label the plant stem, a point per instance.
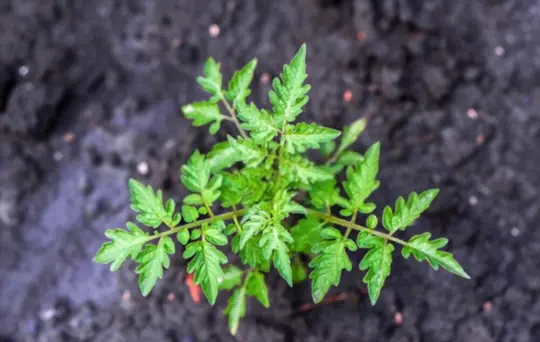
(347, 224)
(235, 219)
(233, 117)
(350, 228)
(225, 216)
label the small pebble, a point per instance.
(514, 231)
(347, 96)
(265, 78)
(24, 70)
(398, 318)
(142, 168)
(169, 144)
(58, 156)
(480, 139)
(126, 296)
(472, 113)
(487, 306)
(499, 51)
(48, 314)
(69, 137)
(473, 200)
(213, 30)
(361, 35)
(171, 297)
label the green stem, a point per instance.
(350, 228)
(233, 117)
(235, 219)
(225, 216)
(347, 224)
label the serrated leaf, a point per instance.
(303, 136)
(149, 205)
(248, 152)
(232, 276)
(195, 176)
(283, 205)
(274, 243)
(324, 194)
(259, 123)
(253, 223)
(361, 181)
(367, 240)
(306, 234)
(327, 267)
(288, 95)
(222, 156)
(239, 84)
(256, 287)
(405, 213)
(236, 309)
(351, 134)
(327, 148)
(251, 255)
(212, 79)
(246, 186)
(378, 262)
(203, 113)
(422, 249)
(152, 260)
(206, 265)
(123, 244)
(300, 169)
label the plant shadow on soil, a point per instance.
(89, 90)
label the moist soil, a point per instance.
(90, 95)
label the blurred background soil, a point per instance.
(90, 95)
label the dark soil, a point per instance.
(90, 89)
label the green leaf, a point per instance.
(361, 182)
(303, 136)
(236, 308)
(123, 244)
(151, 261)
(405, 213)
(196, 173)
(256, 287)
(422, 249)
(327, 148)
(232, 276)
(239, 84)
(299, 272)
(149, 205)
(350, 158)
(221, 156)
(378, 261)
(306, 234)
(259, 123)
(253, 223)
(212, 80)
(248, 152)
(283, 205)
(214, 233)
(351, 134)
(327, 267)
(203, 113)
(189, 213)
(251, 254)
(289, 92)
(206, 265)
(183, 236)
(274, 240)
(298, 168)
(324, 194)
(246, 186)
(196, 177)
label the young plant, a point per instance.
(262, 197)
